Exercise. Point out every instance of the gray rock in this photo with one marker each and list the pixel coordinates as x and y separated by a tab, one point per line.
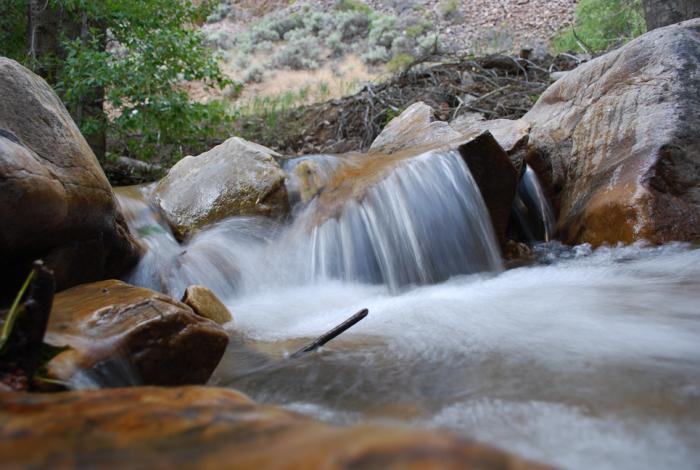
235	178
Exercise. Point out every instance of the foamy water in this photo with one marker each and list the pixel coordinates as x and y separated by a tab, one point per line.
585	359
591	361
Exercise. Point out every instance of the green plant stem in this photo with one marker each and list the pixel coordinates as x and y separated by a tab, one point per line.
14	312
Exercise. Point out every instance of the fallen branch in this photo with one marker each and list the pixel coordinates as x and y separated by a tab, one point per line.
326	337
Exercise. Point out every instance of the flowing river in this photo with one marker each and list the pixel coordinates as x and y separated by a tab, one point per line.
583	359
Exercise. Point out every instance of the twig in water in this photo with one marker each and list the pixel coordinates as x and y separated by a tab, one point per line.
326	337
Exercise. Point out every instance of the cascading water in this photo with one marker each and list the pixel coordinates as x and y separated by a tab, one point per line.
424	222
532	209
589	358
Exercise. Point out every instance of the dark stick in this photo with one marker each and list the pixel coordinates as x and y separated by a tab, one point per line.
326	337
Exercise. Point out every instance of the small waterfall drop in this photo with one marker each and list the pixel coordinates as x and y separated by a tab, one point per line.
421	223
532	209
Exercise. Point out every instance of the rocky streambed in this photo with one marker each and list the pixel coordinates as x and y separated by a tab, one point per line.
585	355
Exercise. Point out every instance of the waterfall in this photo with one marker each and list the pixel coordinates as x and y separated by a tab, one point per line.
422	223
532	210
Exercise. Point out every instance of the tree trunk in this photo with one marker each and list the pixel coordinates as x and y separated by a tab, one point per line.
660	13
47	26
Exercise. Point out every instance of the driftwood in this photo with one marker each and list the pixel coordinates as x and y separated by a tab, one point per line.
276	365
326	337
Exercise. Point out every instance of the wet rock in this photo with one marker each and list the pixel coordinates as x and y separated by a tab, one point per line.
310	182
511	134
235	178
203	427
413	133
496	177
413	128
147	337
55	201
206	304
616	141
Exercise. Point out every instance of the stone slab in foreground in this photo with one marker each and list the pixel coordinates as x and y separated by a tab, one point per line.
199	427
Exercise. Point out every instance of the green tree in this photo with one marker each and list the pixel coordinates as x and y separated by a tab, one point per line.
131	60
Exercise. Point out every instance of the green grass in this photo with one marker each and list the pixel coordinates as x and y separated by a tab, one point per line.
602	24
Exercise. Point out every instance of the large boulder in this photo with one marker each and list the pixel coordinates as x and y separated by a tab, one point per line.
235	178
119	334
204	427
616	141
55	201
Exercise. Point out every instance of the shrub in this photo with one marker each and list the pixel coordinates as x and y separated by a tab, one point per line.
430	43
383	31
220	39
376	55
300	52
601	24
254	74
318	22
449	9
220	12
419	29
403	45
334	42
353	5
352	25
399	62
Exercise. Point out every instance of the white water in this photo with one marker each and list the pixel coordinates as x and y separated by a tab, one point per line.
590	362
532	209
588	359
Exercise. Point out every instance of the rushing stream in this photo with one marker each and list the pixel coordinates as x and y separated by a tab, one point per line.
584	359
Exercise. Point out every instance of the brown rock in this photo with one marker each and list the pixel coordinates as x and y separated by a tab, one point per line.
235	178
496	177
413	133
203	427
616	141
206	304
55	201
111	324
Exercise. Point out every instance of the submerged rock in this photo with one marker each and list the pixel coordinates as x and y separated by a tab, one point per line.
198	427
113	328
55	201
616	140
206	304
235	178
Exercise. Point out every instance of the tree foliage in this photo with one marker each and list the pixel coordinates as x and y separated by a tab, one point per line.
140	56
